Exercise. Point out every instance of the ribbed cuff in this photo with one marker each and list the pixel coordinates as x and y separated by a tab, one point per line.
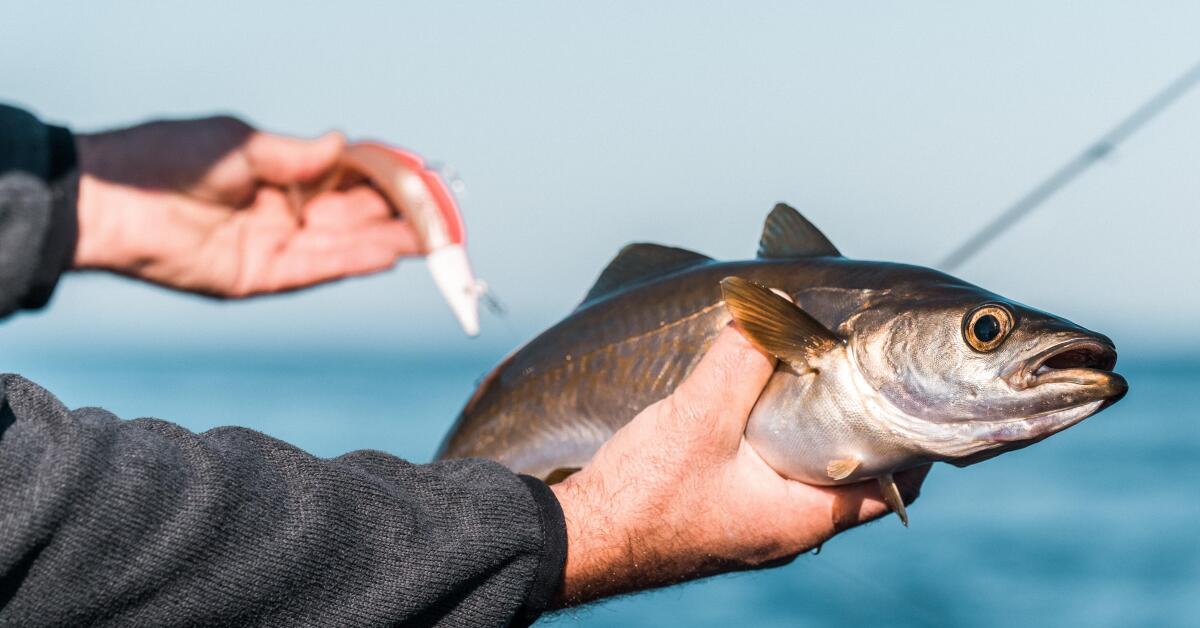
548	580
6	414
62	152
62	233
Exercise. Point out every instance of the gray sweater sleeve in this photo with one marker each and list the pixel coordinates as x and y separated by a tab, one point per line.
111	522
38	186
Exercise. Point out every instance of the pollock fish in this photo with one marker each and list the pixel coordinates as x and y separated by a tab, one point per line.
881	366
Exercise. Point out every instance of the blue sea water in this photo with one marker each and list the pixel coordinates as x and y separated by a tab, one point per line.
1094	527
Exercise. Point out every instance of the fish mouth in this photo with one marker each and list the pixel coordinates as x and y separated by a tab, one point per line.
1079	381
1087	362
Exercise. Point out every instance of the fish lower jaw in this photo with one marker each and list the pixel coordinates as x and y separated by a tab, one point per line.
970	440
1038	427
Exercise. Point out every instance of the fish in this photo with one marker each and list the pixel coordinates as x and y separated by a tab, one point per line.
881	366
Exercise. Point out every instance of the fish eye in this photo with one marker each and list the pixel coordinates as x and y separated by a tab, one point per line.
986	327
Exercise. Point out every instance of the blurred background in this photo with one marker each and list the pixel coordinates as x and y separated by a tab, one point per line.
577	129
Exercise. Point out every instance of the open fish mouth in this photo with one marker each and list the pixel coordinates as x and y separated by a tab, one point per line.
1081	361
1084	365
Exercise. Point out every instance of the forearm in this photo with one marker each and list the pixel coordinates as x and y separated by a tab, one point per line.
38	188
143	522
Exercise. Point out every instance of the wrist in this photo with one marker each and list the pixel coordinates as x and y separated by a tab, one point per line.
95	235
593	554
618	541
102	243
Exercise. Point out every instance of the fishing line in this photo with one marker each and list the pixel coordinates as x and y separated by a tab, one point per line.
1067	173
497	309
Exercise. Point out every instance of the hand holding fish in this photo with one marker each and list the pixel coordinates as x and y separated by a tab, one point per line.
678	493
201	205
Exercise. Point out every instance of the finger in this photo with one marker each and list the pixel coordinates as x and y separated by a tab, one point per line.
856	504
397	236
304	271
314	258
281	160
805	516
722	389
342	211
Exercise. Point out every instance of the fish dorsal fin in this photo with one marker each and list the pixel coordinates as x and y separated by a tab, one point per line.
775	324
640	262
788	234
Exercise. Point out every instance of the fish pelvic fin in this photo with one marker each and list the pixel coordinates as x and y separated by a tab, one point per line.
776	325
641	262
841	468
788	234
891	495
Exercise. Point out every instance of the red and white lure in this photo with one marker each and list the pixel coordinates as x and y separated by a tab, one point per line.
419	195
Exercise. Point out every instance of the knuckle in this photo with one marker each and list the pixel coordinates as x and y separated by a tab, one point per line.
684	413
690	427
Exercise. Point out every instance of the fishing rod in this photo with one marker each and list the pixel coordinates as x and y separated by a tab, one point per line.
1069	171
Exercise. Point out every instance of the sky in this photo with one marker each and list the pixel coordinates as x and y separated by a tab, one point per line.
898	129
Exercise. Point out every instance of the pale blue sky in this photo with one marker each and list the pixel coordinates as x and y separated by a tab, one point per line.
896	129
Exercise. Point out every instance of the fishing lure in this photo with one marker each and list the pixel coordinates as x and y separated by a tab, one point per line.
417	193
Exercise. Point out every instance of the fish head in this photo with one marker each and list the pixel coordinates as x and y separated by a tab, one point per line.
977	374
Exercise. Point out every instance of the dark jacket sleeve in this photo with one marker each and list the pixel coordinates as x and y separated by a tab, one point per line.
38	187
111	522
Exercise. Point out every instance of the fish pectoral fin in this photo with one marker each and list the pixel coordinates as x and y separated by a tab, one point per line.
775	324
559	474
788	234
891	495
841	468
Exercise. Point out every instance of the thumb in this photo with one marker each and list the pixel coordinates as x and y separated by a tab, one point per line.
281	160
724	386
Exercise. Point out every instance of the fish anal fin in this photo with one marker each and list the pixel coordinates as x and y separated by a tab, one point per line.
841	468
559	474
891	495
788	234
775	324
640	262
